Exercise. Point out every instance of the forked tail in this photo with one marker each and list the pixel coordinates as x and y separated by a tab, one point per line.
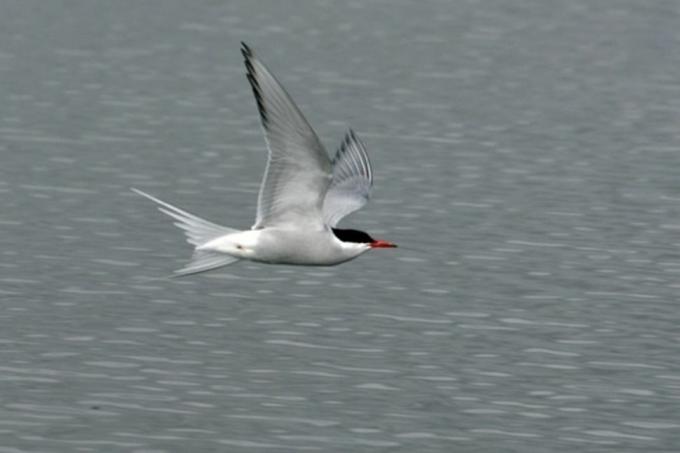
198	231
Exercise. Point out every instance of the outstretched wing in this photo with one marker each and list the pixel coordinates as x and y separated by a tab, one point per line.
298	170
352	180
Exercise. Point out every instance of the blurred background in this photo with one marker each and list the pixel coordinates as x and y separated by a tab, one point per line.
526	156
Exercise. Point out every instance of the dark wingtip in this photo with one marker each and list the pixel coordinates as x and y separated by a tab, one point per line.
245	50
252	79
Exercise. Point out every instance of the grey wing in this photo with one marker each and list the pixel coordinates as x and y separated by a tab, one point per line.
352	180
298	169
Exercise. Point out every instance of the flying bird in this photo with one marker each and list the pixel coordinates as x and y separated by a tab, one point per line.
303	194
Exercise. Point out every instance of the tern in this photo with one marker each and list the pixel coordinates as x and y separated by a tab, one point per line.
303	194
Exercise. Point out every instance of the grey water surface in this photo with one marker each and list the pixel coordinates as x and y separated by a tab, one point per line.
527	158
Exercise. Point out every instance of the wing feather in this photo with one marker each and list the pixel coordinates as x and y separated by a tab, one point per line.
298	170
352	180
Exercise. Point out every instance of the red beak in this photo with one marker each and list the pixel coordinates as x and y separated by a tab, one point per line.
380	244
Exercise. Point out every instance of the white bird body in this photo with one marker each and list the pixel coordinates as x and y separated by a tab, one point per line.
289	246
302	197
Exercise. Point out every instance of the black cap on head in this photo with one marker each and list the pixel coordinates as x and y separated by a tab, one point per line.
353	236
